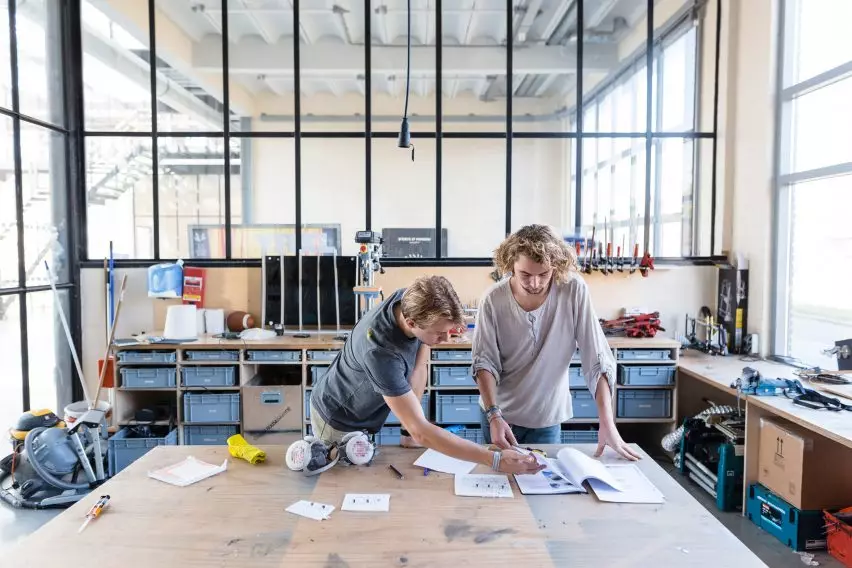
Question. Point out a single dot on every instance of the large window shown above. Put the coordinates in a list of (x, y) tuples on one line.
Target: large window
[(579, 116), (34, 220), (813, 305)]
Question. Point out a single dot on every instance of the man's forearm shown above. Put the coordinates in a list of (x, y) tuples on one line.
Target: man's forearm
[(487, 385), (418, 381), (603, 398)]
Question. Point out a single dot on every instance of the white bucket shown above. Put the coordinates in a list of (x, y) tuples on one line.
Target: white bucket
[(76, 409)]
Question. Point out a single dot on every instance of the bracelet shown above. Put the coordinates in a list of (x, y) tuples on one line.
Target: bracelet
[(495, 460), (493, 412)]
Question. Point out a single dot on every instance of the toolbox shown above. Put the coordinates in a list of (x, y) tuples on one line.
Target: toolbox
[(451, 355), (579, 437), (644, 354), (318, 372), (452, 376), (148, 378), (275, 356), (457, 408), (424, 402), (212, 355), (388, 436), (712, 456), (644, 403), (208, 435), (646, 375), (322, 354), (583, 404), (211, 407), (147, 356), (838, 535), (125, 447), (208, 376), (800, 530), (575, 377)]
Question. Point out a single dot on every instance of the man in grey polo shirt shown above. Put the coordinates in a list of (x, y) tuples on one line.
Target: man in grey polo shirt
[(527, 330), (382, 368)]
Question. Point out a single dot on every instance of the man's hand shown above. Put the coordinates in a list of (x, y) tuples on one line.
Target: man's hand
[(608, 436), (501, 434), (516, 462)]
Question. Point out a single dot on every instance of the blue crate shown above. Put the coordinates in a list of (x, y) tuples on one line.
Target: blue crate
[(318, 372), (579, 437), (457, 408), (212, 355), (575, 377), (123, 449), (452, 376), (644, 354), (208, 376), (388, 436), (274, 356), (451, 355), (322, 354), (583, 404), (147, 356), (148, 378), (646, 375), (800, 530), (475, 435), (308, 405), (208, 435), (424, 402), (211, 407), (644, 403)]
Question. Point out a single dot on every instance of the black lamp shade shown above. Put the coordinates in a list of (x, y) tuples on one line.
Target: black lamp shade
[(404, 134)]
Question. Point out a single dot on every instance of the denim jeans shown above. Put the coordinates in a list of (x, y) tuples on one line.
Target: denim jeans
[(546, 435)]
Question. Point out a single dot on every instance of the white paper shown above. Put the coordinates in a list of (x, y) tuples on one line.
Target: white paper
[(377, 502), (436, 461), (550, 481), (635, 486), (483, 485), (187, 472), (579, 468), (311, 510)]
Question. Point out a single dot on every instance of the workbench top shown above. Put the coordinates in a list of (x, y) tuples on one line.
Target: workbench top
[(238, 519)]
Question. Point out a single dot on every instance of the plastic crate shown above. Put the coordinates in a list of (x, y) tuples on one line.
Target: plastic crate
[(575, 377), (583, 404), (139, 357), (308, 405), (150, 378), (274, 356), (452, 376), (318, 372), (475, 435), (839, 537), (579, 437), (424, 402), (123, 449), (211, 407), (208, 435), (644, 354), (646, 375), (388, 436), (211, 355), (457, 408), (208, 376), (322, 354), (451, 355), (645, 403)]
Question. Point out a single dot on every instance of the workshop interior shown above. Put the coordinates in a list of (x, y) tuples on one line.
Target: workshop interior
[(201, 199)]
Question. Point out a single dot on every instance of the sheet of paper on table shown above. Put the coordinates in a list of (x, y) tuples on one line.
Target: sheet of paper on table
[(436, 461), (187, 472), (483, 485), (550, 481), (635, 486), (311, 510), (374, 502)]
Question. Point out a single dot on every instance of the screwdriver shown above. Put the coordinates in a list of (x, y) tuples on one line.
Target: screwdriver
[(95, 511)]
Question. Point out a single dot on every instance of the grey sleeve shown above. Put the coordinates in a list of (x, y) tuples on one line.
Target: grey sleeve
[(595, 353), (386, 371), (486, 353)]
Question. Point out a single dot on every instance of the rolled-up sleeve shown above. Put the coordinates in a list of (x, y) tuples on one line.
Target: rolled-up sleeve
[(486, 352), (595, 353)]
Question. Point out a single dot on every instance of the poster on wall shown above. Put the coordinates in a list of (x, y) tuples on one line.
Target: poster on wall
[(412, 243), (255, 241)]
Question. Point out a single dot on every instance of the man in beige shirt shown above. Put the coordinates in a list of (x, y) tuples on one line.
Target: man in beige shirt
[(528, 328)]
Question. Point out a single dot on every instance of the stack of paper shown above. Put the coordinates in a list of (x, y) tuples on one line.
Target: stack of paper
[(483, 485), (374, 502), (311, 510), (436, 461), (187, 472)]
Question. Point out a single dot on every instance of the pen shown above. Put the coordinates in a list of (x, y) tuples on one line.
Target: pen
[(95, 511), (425, 471), (396, 471)]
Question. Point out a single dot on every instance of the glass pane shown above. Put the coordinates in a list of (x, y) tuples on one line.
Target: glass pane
[(116, 69), (403, 196), (46, 215), (822, 127), (50, 372), (40, 60), (344, 186), (11, 380), (389, 31), (821, 39), (260, 57), (544, 67), (473, 196), (542, 188), (8, 213), (263, 204), (706, 80), (678, 82), (820, 304), (473, 89), (192, 196), (5, 58), (119, 197)]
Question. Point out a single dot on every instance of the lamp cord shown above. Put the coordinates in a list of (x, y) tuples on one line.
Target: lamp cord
[(408, 68)]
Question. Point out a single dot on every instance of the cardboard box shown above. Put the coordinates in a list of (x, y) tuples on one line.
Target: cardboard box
[(262, 439), (269, 407), (805, 469)]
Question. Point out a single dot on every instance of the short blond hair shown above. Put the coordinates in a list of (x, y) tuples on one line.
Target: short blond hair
[(430, 299), (539, 243)]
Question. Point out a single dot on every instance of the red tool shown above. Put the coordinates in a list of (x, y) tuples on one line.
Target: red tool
[(646, 264), (640, 325), (635, 258)]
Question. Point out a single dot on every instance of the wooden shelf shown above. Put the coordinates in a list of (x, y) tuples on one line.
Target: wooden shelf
[(209, 363), (202, 389), (275, 363)]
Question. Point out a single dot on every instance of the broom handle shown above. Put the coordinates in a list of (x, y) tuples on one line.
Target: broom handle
[(67, 330), (94, 401)]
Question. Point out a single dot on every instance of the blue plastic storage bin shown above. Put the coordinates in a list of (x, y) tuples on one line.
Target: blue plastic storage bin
[(644, 354), (275, 356), (646, 375), (424, 402), (318, 372), (452, 376), (644, 403), (123, 449), (148, 378), (388, 436), (451, 355), (475, 435), (208, 376), (575, 377), (208, 435), (583, 404), (322, 354), (212, 355), (457, 408), (143, 357), (211, 407), (579, 436)]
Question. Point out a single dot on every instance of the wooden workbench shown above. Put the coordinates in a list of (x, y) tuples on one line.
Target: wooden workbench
[(238, 519)]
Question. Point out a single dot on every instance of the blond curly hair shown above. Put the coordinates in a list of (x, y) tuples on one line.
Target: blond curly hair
[(430, 299), (541, 244)]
